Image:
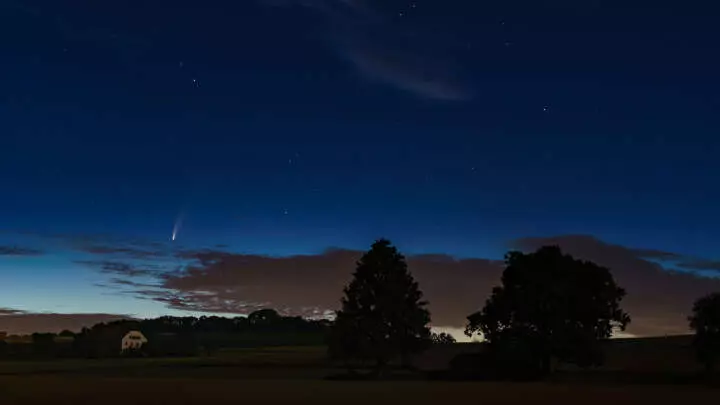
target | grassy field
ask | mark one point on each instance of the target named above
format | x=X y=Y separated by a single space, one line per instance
x=295 y=375
x=277 y=362
x=110 y=391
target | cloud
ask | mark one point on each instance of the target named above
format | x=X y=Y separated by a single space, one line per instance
x=310 y=285
x=683 y=262
x=325 y=6
x=122 y=268
x=135 y=252
x=383 y=51
x=19 y=322
x=659 y=299
x=99 y=244
x=110 y=245
x=700 y=265
x=10 y=311
x=19 y=251
x=655 y=254
x=413 y=73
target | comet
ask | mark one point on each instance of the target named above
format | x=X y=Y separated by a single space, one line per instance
x=176 y=227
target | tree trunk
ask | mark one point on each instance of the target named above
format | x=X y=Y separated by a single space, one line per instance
x=709 y=366
x=406 y=361
x=546 y=364
x=380 y=368
x=349 y=366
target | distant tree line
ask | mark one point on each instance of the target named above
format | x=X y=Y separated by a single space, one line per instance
x=173 y=336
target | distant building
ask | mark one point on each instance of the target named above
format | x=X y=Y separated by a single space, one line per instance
x=133 y=340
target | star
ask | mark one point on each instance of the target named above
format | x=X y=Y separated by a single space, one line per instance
x=285 y=212
x=546 y=108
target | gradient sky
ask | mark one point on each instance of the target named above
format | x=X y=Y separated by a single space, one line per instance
x=285 y=127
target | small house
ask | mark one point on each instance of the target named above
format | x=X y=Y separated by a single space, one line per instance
x=133 y=340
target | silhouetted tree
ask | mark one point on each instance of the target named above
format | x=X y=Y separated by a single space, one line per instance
x=442 y=338
x=265 y=318
x=43 y=344
x=383 y=316
x=550 y=305
x=705 y=321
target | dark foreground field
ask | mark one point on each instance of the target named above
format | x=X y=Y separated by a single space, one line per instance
x=110 y=391
x=295 y=375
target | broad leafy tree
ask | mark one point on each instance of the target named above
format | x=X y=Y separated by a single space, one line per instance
x=550 y=305
x=705 y=321
x=383 y=315
x=442 y=338
x=267 y=317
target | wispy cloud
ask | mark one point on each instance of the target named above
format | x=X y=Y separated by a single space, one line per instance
x=326 y=6
x=383 y=51
x=10 y=311
x=140 y=253
x=123 y=268
x=20 y=322
x=700 y=265
x=421 y=77
x=19 y=251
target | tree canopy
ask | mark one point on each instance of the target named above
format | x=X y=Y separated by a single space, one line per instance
x=551 y=305
x=383 y=316
x=705 y=321
x=442 y=338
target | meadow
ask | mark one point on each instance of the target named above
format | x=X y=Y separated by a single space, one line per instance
x=186 y=390
x=283 y=375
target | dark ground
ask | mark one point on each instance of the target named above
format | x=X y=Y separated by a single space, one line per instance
x=110 y=391
x=661 y=371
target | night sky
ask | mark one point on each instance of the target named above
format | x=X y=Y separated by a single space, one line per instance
x=276 y=139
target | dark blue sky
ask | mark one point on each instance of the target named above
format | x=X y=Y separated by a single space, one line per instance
x=288 y=126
